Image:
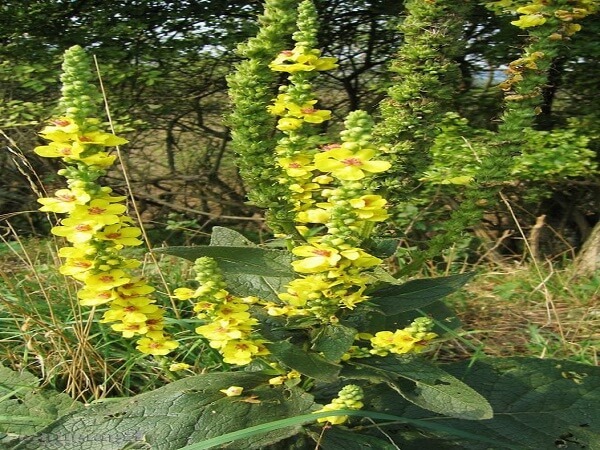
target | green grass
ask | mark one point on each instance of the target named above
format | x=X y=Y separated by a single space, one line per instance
x=529 y=311
x=44 y=330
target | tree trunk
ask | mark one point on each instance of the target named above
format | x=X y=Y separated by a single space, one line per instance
x=588 y=260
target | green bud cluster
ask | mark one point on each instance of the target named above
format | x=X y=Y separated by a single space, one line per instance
x=208 y=273
x=308 y=24
x=420 y=327
x=251 y=89
x=349 y=397
x=80 y=98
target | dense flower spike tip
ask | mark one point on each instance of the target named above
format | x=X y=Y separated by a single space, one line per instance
x=96 y=224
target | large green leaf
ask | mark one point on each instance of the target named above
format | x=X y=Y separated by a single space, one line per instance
x=25 y=407
x=414 y=294
x=221 y=236
x=243 y=260
x=307 y=363
x=248 y=269
x=181 y=413
x=425 y=385
x=538 y=405
x=333 y=341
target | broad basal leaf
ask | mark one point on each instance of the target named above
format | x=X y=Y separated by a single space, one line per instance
x=26 y=408
x=181 y=413
x=310 y=364
x=425 y=385
x=538 y=405
x=414 y=294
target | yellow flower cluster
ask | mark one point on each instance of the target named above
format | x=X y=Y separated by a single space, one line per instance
x=229 y=327
x=98 y=230
x=349 y=397
x=295 y=115
x=333 y=209
x=301 y=59
x=540 y=11
x=411 y=339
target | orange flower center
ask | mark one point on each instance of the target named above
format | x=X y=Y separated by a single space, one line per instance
x=96 y=210
x=352 y=162
x=66 y=198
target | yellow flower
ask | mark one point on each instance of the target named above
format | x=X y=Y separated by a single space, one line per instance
x=63 y=125
x=131 y=310
x=289 y=124
x=234 y=312
x=64 y=201
x=333 y=420
x=399 y=342
x=241 y=351
x=370 y=207
x=301 y=59
x=232 y=391
x=155 y=322
x=100 y=211
x=184 y=293
x=317 y=258
x=76 y=231
x=315 y=215
x=284 y=106
x=100 y=159
x=530 y=9
x=529 y=20
x=360 y=258
x=101 y=138
x=130 y=329
x=76 y=266
x=349 y=166
x=107 y=280
x=175 y=367
x=60 y=150
x=96 y=297
x=159 y=347
x=220 y=332
x=120 y=235
x=136 y=287
x=298 y=166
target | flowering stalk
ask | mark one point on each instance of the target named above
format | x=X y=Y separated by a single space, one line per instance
x=96 y=225
x=228 y=327
x=251 y=87
x=332 y=209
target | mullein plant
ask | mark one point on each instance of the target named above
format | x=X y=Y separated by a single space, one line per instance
x=97 y=226
x=333 y=209
x=330 y=209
